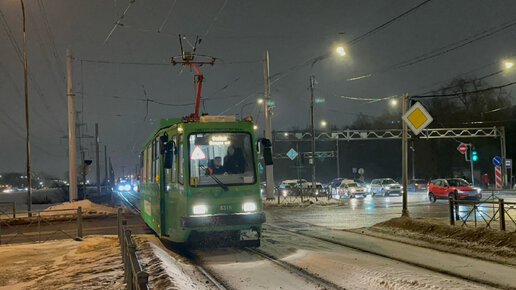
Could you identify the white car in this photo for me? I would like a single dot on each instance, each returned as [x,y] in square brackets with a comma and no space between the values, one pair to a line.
[351,189]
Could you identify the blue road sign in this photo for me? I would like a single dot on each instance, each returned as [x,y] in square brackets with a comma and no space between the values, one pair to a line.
[292,154]
[508,163]
[497,161]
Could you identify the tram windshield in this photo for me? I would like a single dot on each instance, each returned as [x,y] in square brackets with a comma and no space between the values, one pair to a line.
[225,158]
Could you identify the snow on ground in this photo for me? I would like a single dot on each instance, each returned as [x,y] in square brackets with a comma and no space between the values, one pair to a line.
[166,269]
[94,263]
[490,244]
[87,206]
[353,269]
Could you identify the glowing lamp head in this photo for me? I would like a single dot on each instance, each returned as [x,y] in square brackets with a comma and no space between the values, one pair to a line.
[508,64]
[340,50]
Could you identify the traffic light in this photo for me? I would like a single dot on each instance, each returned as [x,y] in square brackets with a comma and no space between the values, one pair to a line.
[474,155]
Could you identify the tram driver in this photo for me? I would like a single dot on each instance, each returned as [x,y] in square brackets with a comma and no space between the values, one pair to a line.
[215,166]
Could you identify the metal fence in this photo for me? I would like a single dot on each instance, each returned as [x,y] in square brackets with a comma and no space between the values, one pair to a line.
[296,194]
[6,207]
[134,276]
[41,226]
[487,213]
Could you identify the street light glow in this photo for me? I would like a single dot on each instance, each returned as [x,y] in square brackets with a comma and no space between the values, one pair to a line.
[323,123]
[285,134]
[508,64]
[340,50]
[260,101]
[394,102]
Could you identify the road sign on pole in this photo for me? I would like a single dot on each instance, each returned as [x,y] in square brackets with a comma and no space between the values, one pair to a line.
[417,118]
[497,161]
[292,154]
[508,163]
[462,148]
[498,177]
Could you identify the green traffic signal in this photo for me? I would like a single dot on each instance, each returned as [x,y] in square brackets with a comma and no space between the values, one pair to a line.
[474,156]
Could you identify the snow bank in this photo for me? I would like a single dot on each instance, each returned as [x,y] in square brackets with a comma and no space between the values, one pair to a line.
[483,243]
[94,263]
[88,207]
[166,269]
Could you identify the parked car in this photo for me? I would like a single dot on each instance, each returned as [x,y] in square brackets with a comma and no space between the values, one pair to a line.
[416,185]
[333,187]
[350,189]
[456,188]
[293,186]
[385,187]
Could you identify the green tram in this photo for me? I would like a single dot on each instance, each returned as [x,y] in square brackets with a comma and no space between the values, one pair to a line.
[200,182]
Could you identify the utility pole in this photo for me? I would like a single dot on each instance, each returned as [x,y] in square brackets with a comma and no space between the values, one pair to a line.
[105,165]
[84,173]
[72,173]
[404,156]
[269,173]
[338,157]
[97,158]
[312,83]
[27,135]
[413,149]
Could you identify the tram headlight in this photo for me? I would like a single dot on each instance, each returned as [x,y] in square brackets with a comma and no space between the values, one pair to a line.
[120,187]
[127,187]
[200,209]
[135,188]
[249,206]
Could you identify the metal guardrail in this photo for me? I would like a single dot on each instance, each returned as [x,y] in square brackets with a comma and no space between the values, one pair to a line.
[482,213]
[23,227]
[134,276]
[298,193]
[4,212]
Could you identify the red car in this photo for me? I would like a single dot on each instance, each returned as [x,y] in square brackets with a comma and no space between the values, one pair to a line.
[457,188]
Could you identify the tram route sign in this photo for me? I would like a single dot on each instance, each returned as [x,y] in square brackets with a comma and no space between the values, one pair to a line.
[292,154]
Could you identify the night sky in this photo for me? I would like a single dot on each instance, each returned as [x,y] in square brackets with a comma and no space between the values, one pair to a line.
[420,51]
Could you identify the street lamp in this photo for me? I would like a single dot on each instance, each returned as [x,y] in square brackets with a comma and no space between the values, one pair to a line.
[260,101]
[324,124]
[340,50]
[393,102]
[508,64]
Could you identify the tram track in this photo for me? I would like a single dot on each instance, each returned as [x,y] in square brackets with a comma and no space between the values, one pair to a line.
[332,241]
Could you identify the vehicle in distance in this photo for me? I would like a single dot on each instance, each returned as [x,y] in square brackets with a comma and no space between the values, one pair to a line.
[294,186]
[456,188]
[385,187]
[350,189]
[416,185]
[333,186]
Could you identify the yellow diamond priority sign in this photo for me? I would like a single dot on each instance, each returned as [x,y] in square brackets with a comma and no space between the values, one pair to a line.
[417,118]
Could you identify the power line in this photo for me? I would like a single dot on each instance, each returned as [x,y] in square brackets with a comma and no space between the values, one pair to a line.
[463,93]
[384,25]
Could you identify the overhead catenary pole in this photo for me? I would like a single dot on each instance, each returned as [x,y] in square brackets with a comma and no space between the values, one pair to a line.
[413,149]
[404,156]
[27,135]
[72,173]
[269,173]
[97,158]
[312,83]
[106,177]
[503,151]
[471,164]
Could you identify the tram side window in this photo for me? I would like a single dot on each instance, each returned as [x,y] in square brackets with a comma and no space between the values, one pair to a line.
[173,175]
[156,160]
[140,170]
[181,160]
[149,154]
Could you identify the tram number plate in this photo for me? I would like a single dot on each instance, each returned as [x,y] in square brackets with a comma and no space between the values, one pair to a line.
[246,235]
[226,207]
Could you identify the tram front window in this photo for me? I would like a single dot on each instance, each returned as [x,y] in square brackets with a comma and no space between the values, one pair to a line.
[221,158]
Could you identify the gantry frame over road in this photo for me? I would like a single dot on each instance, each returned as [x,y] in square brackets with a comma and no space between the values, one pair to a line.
[393,134]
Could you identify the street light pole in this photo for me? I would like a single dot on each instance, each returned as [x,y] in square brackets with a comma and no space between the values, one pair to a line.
[72,166]
[312,82]
[404,156]
[269,173]
[25,84]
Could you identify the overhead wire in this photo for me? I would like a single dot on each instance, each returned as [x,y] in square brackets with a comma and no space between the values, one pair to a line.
[118,22]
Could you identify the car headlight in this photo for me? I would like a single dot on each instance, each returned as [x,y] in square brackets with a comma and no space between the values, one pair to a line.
[316,192]
[200,209]
[401,186]
[479,190]
[249,206]
[459,191]
[284,192]
[127,187]
[120,187]
[387,187]
[353,190]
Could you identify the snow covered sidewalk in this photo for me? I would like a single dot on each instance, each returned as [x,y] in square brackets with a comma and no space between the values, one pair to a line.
[485,272]
[94,263]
